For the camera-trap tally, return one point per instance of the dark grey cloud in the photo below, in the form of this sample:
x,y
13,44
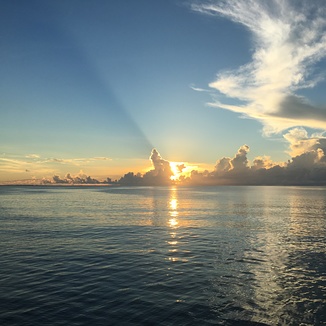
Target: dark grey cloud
x,y
159,175
308,168
298,108
74,180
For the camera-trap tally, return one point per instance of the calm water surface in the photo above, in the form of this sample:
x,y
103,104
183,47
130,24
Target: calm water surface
x,y
162,256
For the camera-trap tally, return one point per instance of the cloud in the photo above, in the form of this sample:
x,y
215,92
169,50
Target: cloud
x,y
13,161
57,179
74,161
198,89
160,165
101,159
240,162
32,156
181,167
297,107
289,39
306,167
300,142
34,161
160,174
262,162
15,166
79,179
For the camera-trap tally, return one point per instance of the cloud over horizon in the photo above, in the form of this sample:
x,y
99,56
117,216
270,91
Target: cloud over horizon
x,y
160,174
306,167
289,38
80,178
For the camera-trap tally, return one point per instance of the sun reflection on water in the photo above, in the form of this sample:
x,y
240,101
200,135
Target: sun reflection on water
x,y
173,203
173,212
173,223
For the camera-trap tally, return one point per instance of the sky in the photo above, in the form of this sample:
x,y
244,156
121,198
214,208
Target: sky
x,y
231,90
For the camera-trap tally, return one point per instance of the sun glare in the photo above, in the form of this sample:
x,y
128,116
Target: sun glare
x,y
176,170
182,169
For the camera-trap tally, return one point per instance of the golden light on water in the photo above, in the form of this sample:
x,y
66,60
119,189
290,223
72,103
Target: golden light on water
x,y
173,206
173,222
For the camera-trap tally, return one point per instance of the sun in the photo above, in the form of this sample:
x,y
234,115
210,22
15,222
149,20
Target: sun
x,y
176,168
183,169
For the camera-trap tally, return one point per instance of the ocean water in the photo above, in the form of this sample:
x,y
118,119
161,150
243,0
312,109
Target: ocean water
x,y
162,256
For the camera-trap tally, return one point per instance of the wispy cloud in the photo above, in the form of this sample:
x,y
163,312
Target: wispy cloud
x,y
74,161
198,89
32,156
21,165
289,39
35,163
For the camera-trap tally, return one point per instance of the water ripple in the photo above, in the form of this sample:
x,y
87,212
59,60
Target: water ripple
x,y
232,256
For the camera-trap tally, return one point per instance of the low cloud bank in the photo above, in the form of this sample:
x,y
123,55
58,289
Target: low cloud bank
x,y
160,175
79,179
306,167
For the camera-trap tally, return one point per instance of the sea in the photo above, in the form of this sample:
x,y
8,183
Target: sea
x,y
162,255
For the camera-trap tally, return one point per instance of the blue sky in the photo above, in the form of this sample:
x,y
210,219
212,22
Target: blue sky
x,y
95,85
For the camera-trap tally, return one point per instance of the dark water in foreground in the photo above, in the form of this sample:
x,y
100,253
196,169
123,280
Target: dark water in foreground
x,y
163,256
